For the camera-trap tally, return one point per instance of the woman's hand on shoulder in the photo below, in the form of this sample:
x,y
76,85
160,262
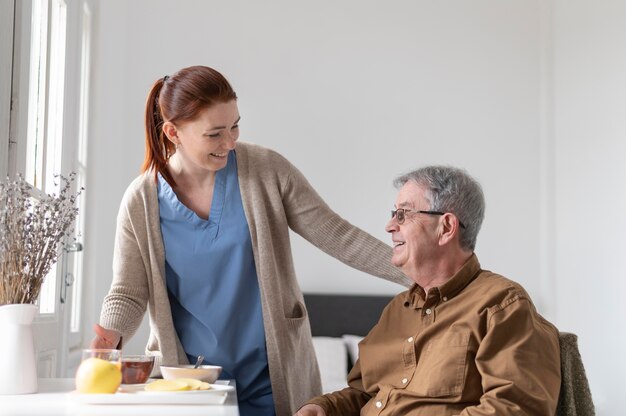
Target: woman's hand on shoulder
x,y
105,338
311,410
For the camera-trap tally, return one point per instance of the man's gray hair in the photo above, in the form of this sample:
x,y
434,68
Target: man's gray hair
x,y
450,189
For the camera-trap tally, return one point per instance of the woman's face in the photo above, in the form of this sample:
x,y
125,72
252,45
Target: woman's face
x,y
204,143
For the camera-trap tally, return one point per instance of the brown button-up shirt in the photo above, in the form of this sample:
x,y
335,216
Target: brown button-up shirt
x,y
473,346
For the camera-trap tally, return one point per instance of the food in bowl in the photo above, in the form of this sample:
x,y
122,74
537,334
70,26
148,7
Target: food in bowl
x,y
136,369
208,373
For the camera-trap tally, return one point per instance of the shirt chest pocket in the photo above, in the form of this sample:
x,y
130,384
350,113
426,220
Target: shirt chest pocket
x,y
442,366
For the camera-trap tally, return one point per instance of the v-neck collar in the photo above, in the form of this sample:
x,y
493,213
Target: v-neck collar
x,y
217,202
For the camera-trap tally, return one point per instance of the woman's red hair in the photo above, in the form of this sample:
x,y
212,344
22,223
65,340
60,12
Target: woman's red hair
x,y
178,98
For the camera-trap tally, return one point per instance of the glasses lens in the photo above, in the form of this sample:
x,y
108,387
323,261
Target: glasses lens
x,y
400,216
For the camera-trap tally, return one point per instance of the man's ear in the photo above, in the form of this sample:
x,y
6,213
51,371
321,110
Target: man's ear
x,y
171,132
448,228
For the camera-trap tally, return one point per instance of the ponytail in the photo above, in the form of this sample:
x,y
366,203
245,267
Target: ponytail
x,y
158,147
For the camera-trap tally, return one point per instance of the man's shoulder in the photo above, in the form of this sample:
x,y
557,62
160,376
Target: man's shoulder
x,y
498,281
502,294
499,289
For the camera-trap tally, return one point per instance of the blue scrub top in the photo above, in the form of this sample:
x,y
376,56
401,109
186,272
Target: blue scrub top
x,y
213,288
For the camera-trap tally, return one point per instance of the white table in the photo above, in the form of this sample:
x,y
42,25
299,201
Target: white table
x,y
52,400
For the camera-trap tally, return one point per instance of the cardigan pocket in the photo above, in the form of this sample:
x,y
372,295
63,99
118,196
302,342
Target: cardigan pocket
x,y
297,315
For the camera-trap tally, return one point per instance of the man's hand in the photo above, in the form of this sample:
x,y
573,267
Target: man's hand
x,y
311,410
105,338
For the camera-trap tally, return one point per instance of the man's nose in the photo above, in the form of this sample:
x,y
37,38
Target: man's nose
x,y
392,225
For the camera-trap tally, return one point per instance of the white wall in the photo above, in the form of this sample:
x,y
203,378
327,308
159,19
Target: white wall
x,y
590,126
356,92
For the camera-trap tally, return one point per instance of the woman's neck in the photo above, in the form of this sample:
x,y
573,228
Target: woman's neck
x,y
188,177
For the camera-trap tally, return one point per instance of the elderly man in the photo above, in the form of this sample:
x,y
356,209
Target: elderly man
x,y
463,340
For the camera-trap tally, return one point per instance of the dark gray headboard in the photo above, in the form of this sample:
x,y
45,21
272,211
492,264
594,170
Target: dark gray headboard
x,y
337,315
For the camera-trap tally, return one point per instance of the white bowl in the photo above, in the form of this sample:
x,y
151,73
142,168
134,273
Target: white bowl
x,y
208,373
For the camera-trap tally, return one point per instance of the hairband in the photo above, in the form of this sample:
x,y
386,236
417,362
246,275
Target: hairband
x,y
165,78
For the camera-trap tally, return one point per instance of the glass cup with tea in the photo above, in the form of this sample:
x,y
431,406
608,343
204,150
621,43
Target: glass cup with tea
x,y
136,369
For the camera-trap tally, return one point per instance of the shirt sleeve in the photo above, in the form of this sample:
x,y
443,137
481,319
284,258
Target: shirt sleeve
x,y
309,216
348,401
520,368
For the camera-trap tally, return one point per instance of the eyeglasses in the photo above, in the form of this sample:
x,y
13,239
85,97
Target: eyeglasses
x,y
400,214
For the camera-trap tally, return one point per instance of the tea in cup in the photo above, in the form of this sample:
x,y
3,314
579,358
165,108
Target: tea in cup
x,y
136,369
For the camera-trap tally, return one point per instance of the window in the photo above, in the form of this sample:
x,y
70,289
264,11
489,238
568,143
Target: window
x,y
81,166
45,111
47,121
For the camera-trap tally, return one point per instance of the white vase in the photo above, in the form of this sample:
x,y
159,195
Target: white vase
x,y
18,364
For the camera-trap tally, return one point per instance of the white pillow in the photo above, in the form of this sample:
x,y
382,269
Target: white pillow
x,y
352,344
332,358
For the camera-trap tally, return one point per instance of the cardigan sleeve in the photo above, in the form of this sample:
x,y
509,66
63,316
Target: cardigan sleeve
x,y
309,216
125,304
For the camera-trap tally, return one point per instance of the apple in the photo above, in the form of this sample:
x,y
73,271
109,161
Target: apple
x,y
95,375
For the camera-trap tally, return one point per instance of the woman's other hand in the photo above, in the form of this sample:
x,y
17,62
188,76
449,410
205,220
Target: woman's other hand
x,y
311,410
105,338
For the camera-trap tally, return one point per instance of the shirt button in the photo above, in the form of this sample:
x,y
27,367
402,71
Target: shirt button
x,y
445,298
428,311
379,404
410,339
404,380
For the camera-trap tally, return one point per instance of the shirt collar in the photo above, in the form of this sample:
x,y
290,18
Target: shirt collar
x,y
449,289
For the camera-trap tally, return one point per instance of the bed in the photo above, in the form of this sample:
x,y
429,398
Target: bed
x,y
338,323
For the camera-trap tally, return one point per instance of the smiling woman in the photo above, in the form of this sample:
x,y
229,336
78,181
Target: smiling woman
x,y
194,242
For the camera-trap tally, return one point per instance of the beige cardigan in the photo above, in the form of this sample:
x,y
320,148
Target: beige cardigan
x,y
276,197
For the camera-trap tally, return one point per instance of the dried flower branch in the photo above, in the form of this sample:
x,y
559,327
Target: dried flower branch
x,y
33,234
